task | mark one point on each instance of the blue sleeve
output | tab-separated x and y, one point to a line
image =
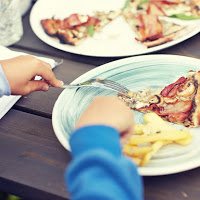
4	85
98	170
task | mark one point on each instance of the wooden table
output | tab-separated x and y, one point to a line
33	161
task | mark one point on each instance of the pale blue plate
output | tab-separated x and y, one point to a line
136	73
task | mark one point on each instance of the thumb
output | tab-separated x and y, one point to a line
37	85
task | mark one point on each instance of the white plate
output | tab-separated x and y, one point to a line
116	39
136	73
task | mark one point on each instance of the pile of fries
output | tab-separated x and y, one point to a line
149	138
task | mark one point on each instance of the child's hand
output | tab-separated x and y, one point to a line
21	71
110	111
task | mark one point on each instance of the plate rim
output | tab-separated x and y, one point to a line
144	171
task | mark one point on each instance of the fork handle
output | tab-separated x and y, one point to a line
98	86
72	86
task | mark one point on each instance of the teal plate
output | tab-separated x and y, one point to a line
135	73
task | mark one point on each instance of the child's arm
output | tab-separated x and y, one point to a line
21	71
99	170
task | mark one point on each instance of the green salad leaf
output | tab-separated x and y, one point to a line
126	4
90	30
12	197
184	17
142	2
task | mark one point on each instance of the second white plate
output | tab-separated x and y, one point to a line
115	40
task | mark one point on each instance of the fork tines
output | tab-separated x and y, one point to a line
115	86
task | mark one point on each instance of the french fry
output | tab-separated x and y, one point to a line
136	160
156	146
185	141
152	117
130	93
136	150
138	129
154	135
172	135
156	124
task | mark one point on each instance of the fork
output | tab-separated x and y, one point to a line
102	83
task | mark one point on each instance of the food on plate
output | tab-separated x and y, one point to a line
189	9
77	27
152	31
51	26
179	102
164	135
152	137
148	19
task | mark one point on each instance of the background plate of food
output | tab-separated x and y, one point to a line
108	28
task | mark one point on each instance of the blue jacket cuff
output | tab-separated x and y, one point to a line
95	137
4	85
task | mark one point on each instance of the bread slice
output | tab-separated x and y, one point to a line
193	119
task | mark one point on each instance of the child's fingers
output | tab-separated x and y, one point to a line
47	74
36	86
47	65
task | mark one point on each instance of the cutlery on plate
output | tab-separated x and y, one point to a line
101	83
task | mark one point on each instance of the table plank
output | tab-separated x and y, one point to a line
180	186
190	48
32	159
68	71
